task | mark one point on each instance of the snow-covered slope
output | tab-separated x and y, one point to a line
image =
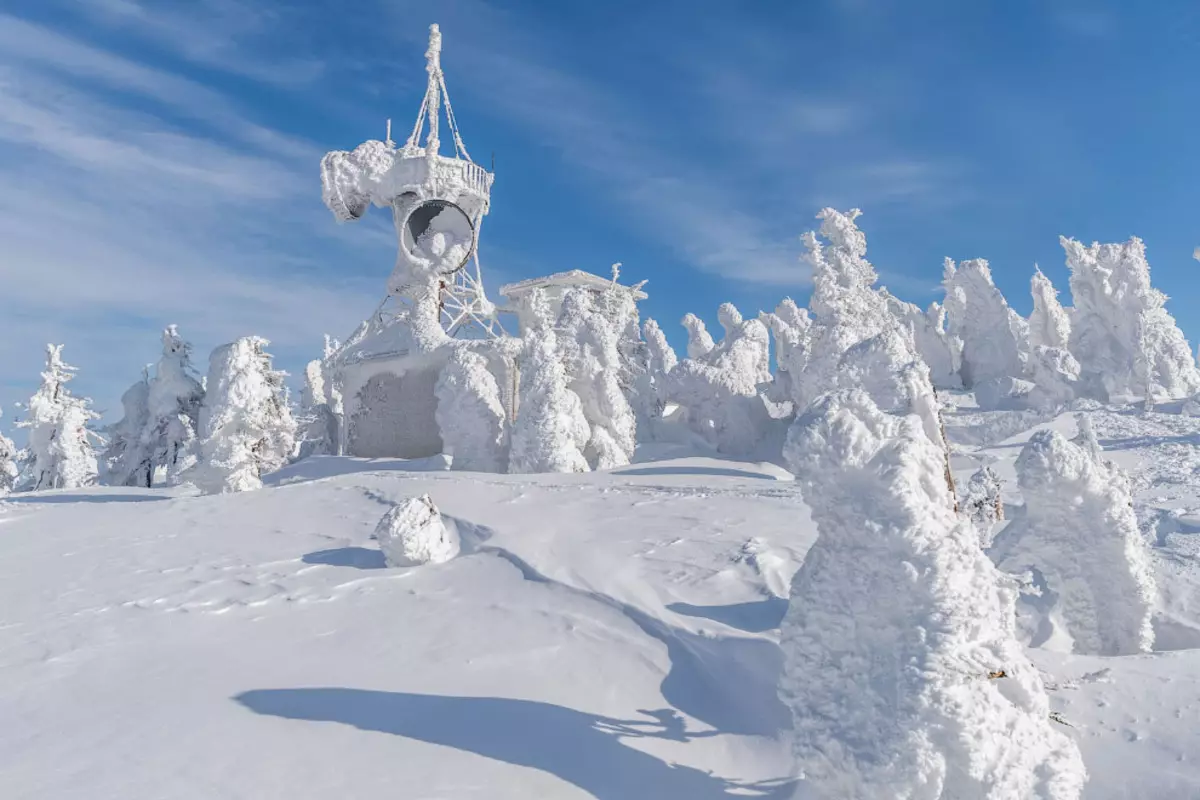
608	635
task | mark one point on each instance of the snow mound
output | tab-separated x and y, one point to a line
413	533
902	670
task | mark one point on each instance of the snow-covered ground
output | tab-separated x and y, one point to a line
609	635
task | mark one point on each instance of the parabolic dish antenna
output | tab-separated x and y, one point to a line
438	237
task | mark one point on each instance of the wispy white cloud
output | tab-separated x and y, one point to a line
1087	22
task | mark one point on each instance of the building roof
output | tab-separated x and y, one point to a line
575	278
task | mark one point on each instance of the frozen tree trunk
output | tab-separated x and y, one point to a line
470	414
546	433
1080	532
898	628
413	533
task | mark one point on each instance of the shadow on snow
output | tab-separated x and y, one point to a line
582	749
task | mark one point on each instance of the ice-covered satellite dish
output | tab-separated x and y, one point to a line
439	236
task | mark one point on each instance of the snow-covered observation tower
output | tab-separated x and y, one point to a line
438	203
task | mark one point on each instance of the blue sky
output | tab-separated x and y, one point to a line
160	159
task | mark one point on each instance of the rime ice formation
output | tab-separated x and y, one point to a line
700	341
928	330
1080	533
413	533
470	414
791	329
550	431
896	625
125	461
8	464
61	455
317	428
1121	333
1049	323
589	346
158	430
983	504
993	335
718	389
845	307
246	427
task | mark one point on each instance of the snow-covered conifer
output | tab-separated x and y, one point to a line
651	389
550	430
126	461
791	329
845	307
174	402
317	427
1080	533
1121	332
1049	323
590	352
983	503
994	336
700	342
60	444
247	429
470	414
8	464
662	356
1086	437
901	665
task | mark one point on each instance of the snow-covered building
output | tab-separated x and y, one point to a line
556	286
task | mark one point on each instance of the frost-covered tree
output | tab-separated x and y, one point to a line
792	331
158	430
994	337
1079	532
720	388
61	454
1121	332
8	464
589	345
928	331
317	426
700	341
901	666
983	502
126	462
470	413
652	389
1049	323
174	403
247	429
550	431
845	306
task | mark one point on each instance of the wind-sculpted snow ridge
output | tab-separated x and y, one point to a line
1126	341
1080	533
470	414
902	670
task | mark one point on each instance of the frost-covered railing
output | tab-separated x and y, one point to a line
375	172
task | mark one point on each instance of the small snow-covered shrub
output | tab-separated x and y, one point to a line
983	503
898	627
1080	532
247	429
413	533
470	414
61	455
